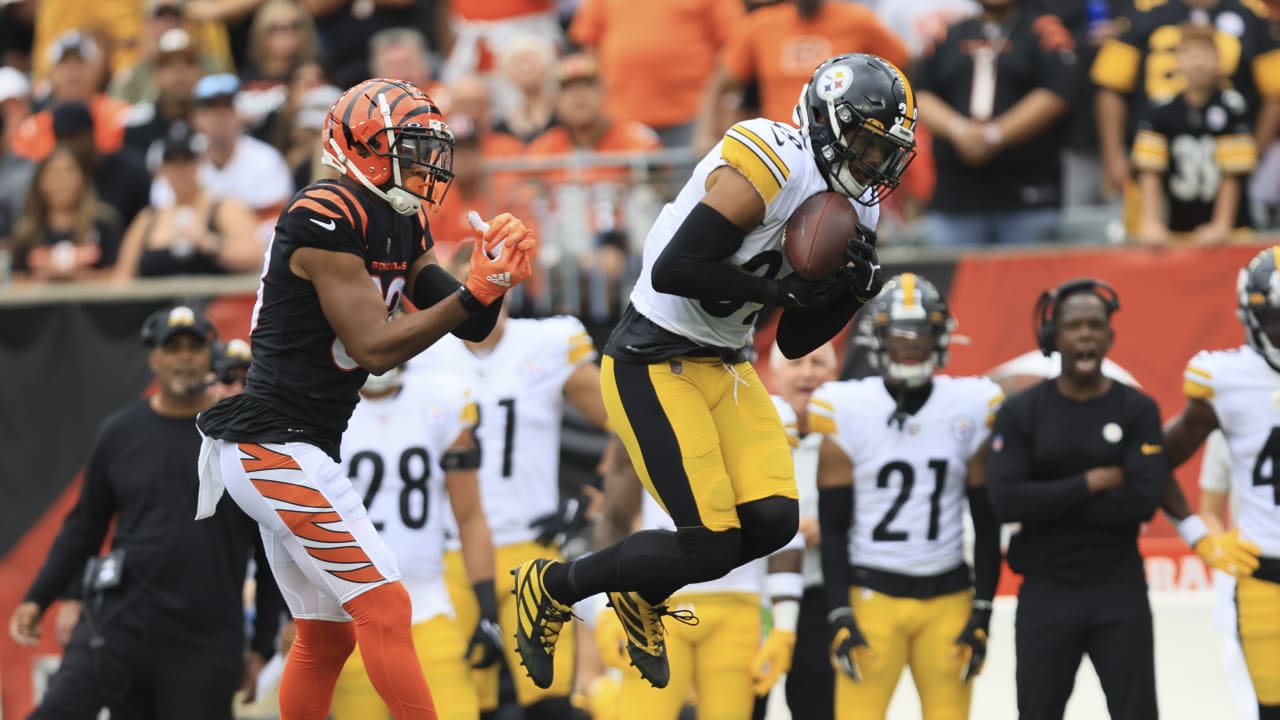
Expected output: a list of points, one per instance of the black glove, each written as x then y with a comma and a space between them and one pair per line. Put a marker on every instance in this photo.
972, 641
566, 520
848, 645
794, 291
485, 647
866, 278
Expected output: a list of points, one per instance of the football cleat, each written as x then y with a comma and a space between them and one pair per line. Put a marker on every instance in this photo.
539, 619
643, 626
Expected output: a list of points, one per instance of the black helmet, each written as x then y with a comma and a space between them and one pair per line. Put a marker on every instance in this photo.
859, 114
909, 305
1258, 301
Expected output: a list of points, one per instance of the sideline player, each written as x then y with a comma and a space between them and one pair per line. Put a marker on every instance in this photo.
1235, 391
343, 254
697, 423
900, 454
408, 447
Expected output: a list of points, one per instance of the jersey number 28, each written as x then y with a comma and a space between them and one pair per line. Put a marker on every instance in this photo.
415, 471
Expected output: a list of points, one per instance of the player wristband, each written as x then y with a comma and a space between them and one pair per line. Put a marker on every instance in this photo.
469, 301
784, 585
786, 615
1192, 529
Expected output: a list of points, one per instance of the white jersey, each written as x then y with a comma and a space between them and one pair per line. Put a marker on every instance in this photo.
392, 450
1245, 394
519, 388
909, 483
776, 159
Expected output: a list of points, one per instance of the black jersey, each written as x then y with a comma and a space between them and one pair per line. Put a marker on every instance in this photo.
981, 70
302, 385
1192, 148
1142, 64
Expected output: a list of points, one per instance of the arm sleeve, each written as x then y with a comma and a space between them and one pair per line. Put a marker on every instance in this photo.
434, 284
1144, 474
1015, 495
82, 531
268, 603
801, 331
986, 545
835, 517
693, 264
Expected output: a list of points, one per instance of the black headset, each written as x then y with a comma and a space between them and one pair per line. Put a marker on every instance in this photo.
1046, 329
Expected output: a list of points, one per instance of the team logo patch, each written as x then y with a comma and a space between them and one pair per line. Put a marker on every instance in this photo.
834, 81
962, 429
1112, 433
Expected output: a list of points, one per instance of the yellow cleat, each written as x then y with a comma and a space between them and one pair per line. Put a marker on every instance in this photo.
642, 623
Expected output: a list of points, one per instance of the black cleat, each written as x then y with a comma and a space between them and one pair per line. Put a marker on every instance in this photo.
539, 618
643, 626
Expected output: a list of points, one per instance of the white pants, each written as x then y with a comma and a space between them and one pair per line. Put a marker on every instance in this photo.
321, 545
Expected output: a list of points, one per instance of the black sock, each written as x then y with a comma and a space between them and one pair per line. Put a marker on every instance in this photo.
1268, 712
556, 708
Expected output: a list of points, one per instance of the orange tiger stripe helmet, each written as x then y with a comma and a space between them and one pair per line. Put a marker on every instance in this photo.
390, 137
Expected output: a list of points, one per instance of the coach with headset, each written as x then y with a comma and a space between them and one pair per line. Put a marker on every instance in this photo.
1077, 460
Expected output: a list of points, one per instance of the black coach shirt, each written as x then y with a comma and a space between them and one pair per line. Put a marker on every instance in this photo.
1041, 446
183, 579
981, 70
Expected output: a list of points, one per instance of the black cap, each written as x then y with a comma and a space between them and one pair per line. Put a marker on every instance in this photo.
71, 119
163, 325
230, 355
181, 143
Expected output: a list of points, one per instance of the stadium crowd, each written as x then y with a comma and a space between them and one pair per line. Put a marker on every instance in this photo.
165, 138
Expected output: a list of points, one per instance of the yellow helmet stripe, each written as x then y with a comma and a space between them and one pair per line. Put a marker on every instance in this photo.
908, 290
909, 114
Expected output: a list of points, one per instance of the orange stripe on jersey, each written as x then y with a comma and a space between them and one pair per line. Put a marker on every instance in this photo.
345, 554
328, 195
290, 493
306, 525
353, 202
260, 458
318, 208
364, 575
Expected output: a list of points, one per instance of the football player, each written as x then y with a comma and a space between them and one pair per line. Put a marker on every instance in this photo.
1235, 391
407, 446
343, 254
900, 455
697, 423
522, 375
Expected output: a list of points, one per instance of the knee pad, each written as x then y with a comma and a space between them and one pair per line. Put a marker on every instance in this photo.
767, 525
709, 554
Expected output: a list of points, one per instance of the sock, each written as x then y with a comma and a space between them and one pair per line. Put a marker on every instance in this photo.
312, 667
383, 620
556, 708
1268, 712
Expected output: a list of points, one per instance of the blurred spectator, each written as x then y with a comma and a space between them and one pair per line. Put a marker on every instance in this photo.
470, 190
197, 234
120, 177
675, 41
471, 95
64, 232
207, 41
994, 91
173, 73
17, 33
346, 27
277, 128
528, 64
282, 39
779, 46
482, 29
921, 22
1140, 66
1193, 152
231, 360
114, 23
303, 153
402, 54
234, 165
15, 172
74, 77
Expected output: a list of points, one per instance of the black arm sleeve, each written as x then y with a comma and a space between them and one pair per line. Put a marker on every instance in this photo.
82, 531
268, 604
1144, 474
835, 517
693, 264
1015, 495
986, 545
801, 330
434, 284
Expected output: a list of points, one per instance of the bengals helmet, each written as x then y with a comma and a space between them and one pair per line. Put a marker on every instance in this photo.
1258, 300
383, 134
858, 113
910, 310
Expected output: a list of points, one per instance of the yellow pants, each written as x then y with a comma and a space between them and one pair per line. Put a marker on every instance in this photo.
468, 614
712, 658
712, 437
1258, 618
906, 632
441, 650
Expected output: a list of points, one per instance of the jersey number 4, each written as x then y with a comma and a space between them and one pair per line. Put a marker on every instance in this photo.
882, 532
415, 471
1266, 470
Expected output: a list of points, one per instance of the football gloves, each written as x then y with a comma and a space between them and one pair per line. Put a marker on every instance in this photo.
849, 646
794, 291
566, 520
1229, 553
485, 647
772, 660
490, 278
971, 644
867, 278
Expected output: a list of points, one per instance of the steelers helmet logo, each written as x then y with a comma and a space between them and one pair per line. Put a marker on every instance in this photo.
834, 81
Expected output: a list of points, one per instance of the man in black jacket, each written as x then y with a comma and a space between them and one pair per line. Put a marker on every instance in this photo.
161, 633
1078, 460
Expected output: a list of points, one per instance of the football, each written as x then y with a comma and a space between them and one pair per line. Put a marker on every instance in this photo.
817, 233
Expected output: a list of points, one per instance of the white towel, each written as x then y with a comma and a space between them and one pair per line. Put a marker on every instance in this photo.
210, 470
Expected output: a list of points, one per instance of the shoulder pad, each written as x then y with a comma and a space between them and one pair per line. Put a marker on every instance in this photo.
765, 152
